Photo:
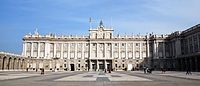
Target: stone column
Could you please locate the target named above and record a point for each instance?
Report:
(47, 50)
(97, 65)
(163, 49)
(90, 63)
(38, 56)
(61, 52)
(140, 50)
(147, 46)
(24, 49)
(105, 64)
(198, 43)
(126, 51)
(54, 48)
(82, 51)
(188, 45)
(105, 56)
(133, 51)
(31, 49)
(68, 51)
(112, 56)
(90, 50)
(154, 49)
(97, 47)
(119, 51)
(76, 45)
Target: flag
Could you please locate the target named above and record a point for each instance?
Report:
(90, 20)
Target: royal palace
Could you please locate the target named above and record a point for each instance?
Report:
(102, 50)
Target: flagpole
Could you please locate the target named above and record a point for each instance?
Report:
(90, 20)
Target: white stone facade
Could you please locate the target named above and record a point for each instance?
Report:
(98, 51)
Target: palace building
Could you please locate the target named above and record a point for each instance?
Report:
(98, 51)
(102, 50)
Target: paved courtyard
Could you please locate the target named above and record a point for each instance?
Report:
(120, 78)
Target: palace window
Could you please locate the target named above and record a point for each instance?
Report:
(137, 44)
(123, 44)
(137, 54)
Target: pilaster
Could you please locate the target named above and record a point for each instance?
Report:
(133, 51)
(76, 44)
(126, 51)
(119, 51)
(140, 50)
(31, 49)
(38, 56)
(61, 52)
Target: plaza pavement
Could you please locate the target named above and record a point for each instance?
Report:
(118, 78)
(177, 74)
(100, 76)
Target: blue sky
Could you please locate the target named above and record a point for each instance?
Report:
(20, 17)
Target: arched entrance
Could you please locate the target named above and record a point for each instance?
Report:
(3, 63)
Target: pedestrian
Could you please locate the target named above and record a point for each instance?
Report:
(26, 69)
(147, 70)
(188, 71)
(144, 70)
(42, 71)
(163, 70)
(104, 70)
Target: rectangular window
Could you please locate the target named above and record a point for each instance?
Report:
(86, 54)
(116, 54)
(129, 54)
(143, 44)
(123, 55)
(123, 44)
(58, 54)
(42, 46)
(28, 46)
(72, 55)
(51, 54)
(65, 54)
(42, 54)
(137, 44)
(143, 54)
(137, 54)
(65, 47)
(79, 54)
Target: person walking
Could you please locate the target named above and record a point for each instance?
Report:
(188, 71)
(144, 70)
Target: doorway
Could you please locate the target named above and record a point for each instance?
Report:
(94, 67)
(72, 67)
(101, 67)
(109, 67)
